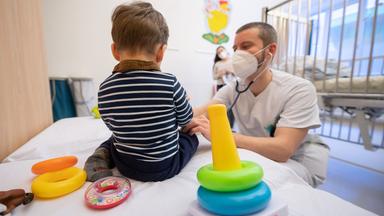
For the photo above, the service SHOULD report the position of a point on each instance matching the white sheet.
(80, 136)
(375, 85)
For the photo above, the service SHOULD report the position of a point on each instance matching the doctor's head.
(255, 45)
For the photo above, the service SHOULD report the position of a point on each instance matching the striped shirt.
(144, 109)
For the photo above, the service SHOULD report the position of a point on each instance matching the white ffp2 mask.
(223, 54)
(245, 64)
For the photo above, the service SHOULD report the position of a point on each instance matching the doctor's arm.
(278, 148)
(300, 109)
(203, 110)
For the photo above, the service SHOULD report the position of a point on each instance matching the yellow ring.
(58, 183)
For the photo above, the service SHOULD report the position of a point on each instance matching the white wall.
(77, 39)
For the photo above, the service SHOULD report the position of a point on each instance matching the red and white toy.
(107, 192)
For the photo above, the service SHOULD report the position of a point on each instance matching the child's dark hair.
(138, 27)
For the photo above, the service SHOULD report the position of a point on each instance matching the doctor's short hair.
(266, 32)
(138, 27)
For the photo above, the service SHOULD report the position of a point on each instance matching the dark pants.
(154, 171)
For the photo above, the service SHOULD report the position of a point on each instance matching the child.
(142, 106)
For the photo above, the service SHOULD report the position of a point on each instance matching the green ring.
(233, 180)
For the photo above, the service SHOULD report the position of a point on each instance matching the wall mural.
(217, 15)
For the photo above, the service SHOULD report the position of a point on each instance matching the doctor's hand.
(199, 124)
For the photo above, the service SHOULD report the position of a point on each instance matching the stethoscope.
(238, 93)
(244, 90)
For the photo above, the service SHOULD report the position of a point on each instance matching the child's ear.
(160, 53)
(115, 52)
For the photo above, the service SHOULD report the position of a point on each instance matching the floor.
(356, 175)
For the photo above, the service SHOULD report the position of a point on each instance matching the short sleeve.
(301, 109)
(183, 109)
(225, 95)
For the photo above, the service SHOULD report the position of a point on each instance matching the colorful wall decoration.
(217, 16)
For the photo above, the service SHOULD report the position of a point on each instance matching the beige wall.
(25, 107)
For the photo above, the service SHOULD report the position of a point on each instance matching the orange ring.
(54, 164)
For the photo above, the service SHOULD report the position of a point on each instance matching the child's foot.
(97, 165)
(116, 172)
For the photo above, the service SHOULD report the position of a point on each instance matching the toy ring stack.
(107, 192)
(229, 186)
(57, 178)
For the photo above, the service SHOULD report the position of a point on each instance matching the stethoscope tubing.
(238, 94)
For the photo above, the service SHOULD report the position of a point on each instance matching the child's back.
(142, 106)
(143, 109)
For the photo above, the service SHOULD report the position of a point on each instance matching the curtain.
(84, 95)
(62, 101)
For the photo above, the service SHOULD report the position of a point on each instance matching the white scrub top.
(287, 101)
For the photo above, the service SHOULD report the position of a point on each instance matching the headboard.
(24, 91)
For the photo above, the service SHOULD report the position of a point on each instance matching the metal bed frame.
(351, 115)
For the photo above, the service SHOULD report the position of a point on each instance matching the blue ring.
(235, 203)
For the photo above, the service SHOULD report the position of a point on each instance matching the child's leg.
(188, 146)
(148, 171)
(99, 164)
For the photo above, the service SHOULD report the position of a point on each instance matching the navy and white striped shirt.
(144, 109)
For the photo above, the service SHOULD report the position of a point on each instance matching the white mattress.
(375, 85)
(80, 136)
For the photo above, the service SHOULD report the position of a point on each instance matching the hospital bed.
(81, 135)
(349, 82)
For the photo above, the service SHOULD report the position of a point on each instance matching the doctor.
(273, 109)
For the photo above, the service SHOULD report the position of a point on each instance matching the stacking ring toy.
(235, 203)
(54, 164)
(107, 192)
(248, 176)
(58, 183)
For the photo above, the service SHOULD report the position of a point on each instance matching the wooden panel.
(25, 107)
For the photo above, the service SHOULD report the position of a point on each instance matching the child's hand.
(199, 124)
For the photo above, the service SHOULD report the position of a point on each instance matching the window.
(320, 26)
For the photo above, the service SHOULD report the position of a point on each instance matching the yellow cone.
(224, 152)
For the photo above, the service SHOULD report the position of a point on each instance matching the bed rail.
(352, 126)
